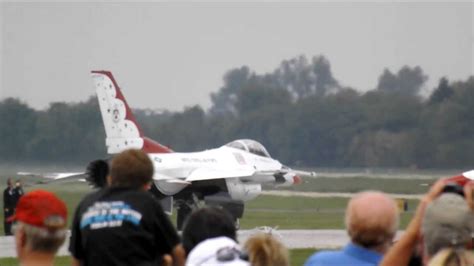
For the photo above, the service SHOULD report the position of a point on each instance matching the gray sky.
(171, 55)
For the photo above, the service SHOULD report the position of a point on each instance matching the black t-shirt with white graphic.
(121, 226)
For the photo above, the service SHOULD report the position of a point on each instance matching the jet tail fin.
(121, 128)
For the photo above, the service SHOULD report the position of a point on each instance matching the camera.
(453, 188)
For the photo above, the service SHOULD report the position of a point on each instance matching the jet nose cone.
(469, 174)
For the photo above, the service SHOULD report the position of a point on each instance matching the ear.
(22, 238)
(147, 186)
(469, 194)
(109, 180)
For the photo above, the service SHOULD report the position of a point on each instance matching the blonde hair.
(264, 249)
(452, 257)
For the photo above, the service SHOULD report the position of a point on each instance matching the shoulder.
(89, 198)
(141, 196)
(92, 195)
(469, 255)
(117, 192)
(140, 199)
(324, 257)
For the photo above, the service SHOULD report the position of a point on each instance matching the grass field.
(284, 212)
(353, 184)
(59, 261)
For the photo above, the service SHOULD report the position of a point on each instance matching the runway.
(291, 238)
(304, 238)
(310, 194)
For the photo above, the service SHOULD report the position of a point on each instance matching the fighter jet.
(226, 176)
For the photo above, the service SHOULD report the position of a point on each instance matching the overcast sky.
(172, 55)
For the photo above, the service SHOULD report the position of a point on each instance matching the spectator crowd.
(123, 224)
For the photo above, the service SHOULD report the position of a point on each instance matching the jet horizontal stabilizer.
(178, 181)
(169, 179)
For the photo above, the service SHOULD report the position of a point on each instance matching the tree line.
(300, 112)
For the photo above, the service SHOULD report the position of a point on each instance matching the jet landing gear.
(184, 210)
(185, 207)
(234, 207)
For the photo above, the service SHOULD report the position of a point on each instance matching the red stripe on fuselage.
(151, 146)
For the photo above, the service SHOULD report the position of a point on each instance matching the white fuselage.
(238, 168)
(174, 171)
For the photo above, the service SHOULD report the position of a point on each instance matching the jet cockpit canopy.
(249, 145)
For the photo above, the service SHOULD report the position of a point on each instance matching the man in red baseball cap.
(40, 227)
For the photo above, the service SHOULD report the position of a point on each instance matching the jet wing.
(285, 169)
(281, 177)
(304, 173)
(56, 176)
(207, 174)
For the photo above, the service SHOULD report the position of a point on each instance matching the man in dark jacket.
(17, 192)
(8, 206)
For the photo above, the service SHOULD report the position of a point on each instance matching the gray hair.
(448, 222)
(40, 239)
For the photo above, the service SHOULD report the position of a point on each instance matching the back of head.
(371, 219)
(264, 249)
(448, 222)
(206, 223)
(41, 239)
(452, 257)
(131, 168)
(41, 217)
(217, 251)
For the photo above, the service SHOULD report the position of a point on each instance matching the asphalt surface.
(291, 238)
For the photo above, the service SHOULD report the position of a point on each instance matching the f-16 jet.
(226, 176)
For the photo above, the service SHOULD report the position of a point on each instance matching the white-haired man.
(371, 222)
(40, 227)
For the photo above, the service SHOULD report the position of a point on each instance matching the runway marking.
(289, 193)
